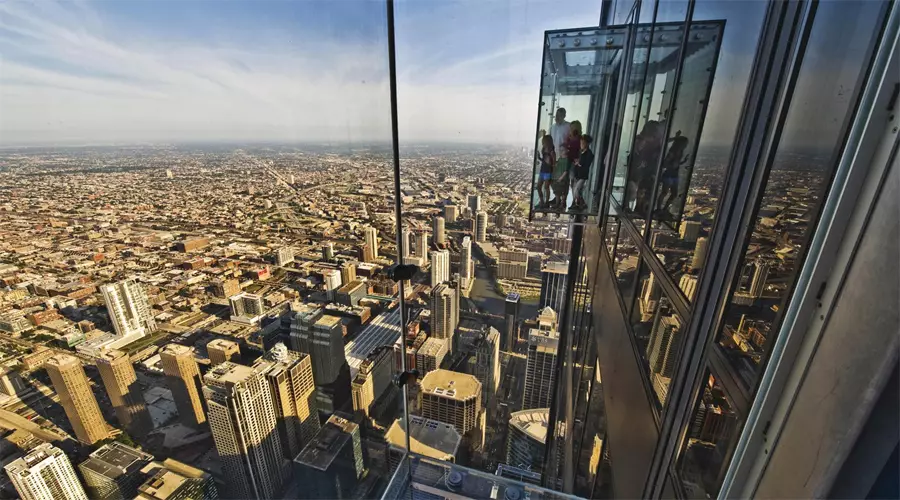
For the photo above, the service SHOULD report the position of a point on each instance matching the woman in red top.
(572, 150)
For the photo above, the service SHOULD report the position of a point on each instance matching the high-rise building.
(173, 480)
(128, 308)
(124, 391)
(429, 438)
(760, 275)
(243, 422)
(76, 398)
(331, 465)
(422, 245)
(700, 250)
(226, 288)
(371, 242)
(222, 350)
(481, 221)
(431, 354)
(246, 307)
(512, 321)
(512, 263)
(351, 293)
(540, 365)
(440, 267)
(487, 365)
(553, 285)
(284, 256)
(114, 471)
(407, 238)
(322, 337)
(375, 375)
(183, 379)
(451, 397)
(688, 285)
(328, 250)
(444, 313)
(290, 378)
(649, 298)
(438, 231)
(332, 281)
(474, 203)
(451, 212)
(661, 351)
(348, 272)
(466, 265)
(689, 231)
(45, 473)
(364, 253)
(527, 439)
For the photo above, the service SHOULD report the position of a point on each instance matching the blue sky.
(124, 71)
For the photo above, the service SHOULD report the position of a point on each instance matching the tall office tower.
(302, 319)
(487, 365)
(431, 354)
(438, 230)
(700, 250)
(444, 313)
(331, 465)
(440, 267)
(689, 231)
(481, 227)
(466, 265)
(124, 391)
(422, 245)
(540, 365)
(364, 253)
(553, 285)
(512, 263)
(760, 275)
(128, 308)
(661, 351)
(222, 350)
(45, 473)
(688, 285)
(451, 212)
(511, 311)
(474, 203)
(372, 241)
(322, 337)
(76, 398)
(375, 375)
(527, 439)
(290, 378)
(284, 256)
(332, 281)
(183, 379)
(348, 272)
(226, 288)
(177, 481)
(169, 174)
(114, 471)
(246, 307)
(451, 397)
(407, 238)
(649, 297)
(244, 427)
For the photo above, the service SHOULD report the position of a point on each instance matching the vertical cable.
(395, 144)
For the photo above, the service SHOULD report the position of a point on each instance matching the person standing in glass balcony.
(548, 161)
(580, 172)
(559, 131)
(561, 174)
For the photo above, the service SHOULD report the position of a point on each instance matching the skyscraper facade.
(348, 272)
(440, 267)
(222, 350)
(700, 250)
(124, 391)
(371, 236)
(451, 397)
(76, 398)
(487, 365)
(512, 263)
(540, 365)
(114, 471)
(290, 378)
(481, 221)
(183, 379)
(45, 473)
(474, 203)
(243, 422)
(407, 238)
(511, 315)
(422, 245)
(553, 285)
(466, 265)
(444, 313)
(438, 230)
(323, 339)
(451, 212)
(129, 310)
(246, 307)
(331, 465)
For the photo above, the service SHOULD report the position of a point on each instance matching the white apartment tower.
(128, 308)
(45, 473)
(440, 267)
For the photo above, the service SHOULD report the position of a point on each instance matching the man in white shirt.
(559, 131)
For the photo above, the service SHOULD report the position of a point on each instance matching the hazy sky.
(114, 71)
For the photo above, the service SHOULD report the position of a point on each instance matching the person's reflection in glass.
(672, 163)
(647, 148)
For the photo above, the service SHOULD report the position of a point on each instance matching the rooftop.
(428, 437)
(115, 459)
(325, 447)
(532, 422)
(22, 466)
(228, 373)
(383, 330)
(451, 384)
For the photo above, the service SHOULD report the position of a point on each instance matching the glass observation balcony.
(613, 87)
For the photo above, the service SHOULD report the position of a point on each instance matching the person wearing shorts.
(545, 177)
(581, 170)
